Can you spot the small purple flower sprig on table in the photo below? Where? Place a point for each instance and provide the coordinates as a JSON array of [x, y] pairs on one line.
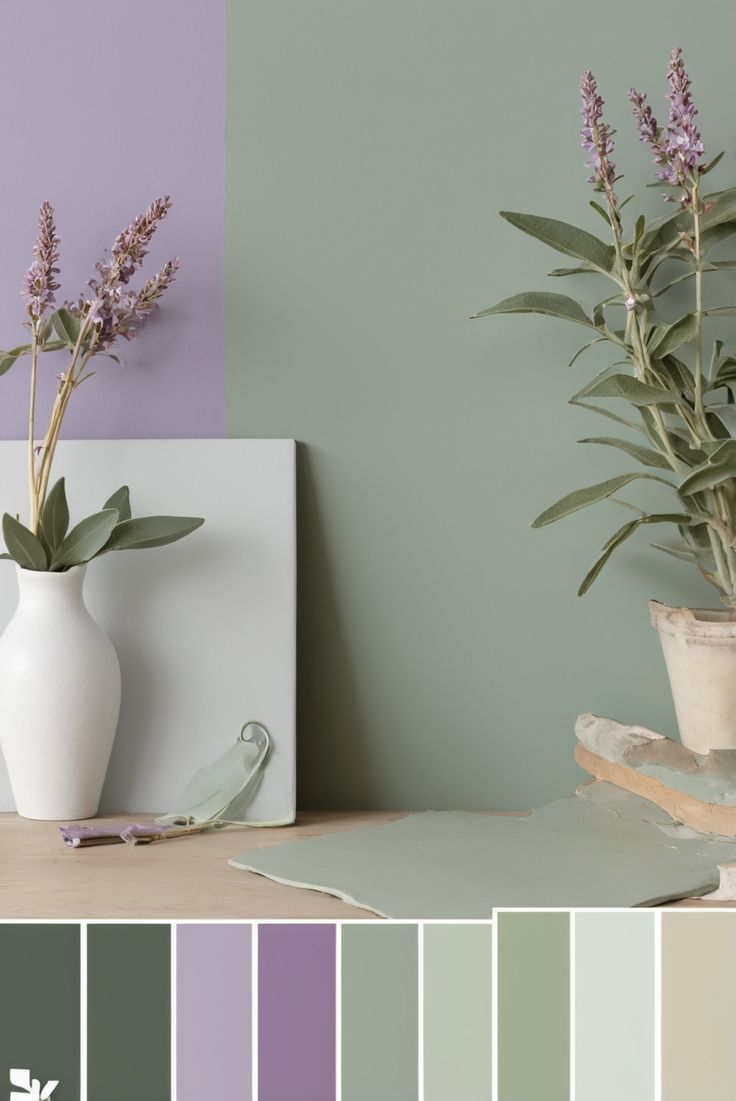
[[110, 310], [683, 409]]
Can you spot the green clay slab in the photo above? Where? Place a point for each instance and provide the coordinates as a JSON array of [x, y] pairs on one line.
[[605, 849]]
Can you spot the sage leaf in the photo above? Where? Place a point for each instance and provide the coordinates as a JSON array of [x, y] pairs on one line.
[[85, 540], [564, 238], [671, 337], [606, 413], [151, 531], [67, 326], [544, 302], [645, 455], [55, 515], [625, 387], [23, 546], [121, 501], [621, 536], [590, 495], [717, 468]]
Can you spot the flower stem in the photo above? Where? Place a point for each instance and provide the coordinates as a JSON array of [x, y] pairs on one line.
[[31, 430]]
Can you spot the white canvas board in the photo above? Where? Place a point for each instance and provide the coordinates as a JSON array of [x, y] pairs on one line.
[[205, 628]]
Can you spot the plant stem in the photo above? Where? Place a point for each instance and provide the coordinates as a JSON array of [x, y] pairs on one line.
[[699, 408], [61, 403], [31, 430]]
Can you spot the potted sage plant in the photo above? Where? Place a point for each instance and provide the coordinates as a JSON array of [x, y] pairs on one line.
[[673, 371], [59, 673]]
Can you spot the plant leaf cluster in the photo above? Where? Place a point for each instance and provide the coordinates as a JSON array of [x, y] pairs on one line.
[[56, 547]]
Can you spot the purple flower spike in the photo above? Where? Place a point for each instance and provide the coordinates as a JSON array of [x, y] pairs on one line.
[[39, 282], [682, 137], [676, 148], [596, 135], [118, 310]]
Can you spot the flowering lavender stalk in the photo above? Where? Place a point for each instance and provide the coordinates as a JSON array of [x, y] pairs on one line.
[[596, 135], [39, 282], [677, 148], [113, 310]]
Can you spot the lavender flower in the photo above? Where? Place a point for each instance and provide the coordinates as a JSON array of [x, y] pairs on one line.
[[676, 148], [115, 309], [130, 248], [596, 135], [683, 137], [39, 282]]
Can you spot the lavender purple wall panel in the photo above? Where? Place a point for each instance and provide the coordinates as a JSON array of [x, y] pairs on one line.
[[296, 1013], [213, 1022], [108, 106]]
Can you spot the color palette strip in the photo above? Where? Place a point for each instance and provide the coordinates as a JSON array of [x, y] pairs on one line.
[[599, 1006], [264, 1012]]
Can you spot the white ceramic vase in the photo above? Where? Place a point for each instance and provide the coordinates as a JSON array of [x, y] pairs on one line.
[[59, 698], [699, 647]]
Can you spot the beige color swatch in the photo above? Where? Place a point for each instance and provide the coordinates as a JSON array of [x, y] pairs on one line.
[[698, 980]]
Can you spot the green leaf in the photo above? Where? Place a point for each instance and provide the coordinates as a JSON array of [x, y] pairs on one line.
[[23, 546], [717, 468], [622, 535], [121, 501], [682, 553], [67, 326], [55, 515], [557, 272], [590, 495], [597, 340], [599, 210], [86, 539], [671, 337], [565, 238], [645, 455], [711, 164], [726, 413], [606, 413], [625, 387], [151, 531], [544, 302], [720, 311]]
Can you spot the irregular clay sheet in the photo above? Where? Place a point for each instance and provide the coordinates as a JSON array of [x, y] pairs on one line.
[[602, 848]]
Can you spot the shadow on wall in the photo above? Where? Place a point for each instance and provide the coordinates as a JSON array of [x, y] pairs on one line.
[[331, 736]]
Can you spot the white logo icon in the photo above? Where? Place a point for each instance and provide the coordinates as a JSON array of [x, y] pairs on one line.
[[29, 1089]]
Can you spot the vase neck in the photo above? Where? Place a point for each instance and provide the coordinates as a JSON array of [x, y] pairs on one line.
[[37, 587]]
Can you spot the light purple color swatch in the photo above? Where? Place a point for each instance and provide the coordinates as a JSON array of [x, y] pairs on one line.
[[296, 1013], [213, 1012], [111, 105]]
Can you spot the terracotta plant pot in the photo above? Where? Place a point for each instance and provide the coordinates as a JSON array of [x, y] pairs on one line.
[[699, 647]]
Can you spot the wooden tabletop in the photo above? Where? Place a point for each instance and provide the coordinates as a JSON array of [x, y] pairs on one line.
[[185, 878]]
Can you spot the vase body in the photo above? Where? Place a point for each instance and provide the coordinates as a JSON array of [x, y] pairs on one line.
[[59, 698], [699, 646]]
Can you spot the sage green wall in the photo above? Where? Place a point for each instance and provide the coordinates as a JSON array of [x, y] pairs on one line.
[[443, 652]]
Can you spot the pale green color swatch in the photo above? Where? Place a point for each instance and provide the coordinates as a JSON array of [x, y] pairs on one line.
[[379, 1012], [443, 654], [698, 980], [533, 998], [614, 1006], [457, 1012]]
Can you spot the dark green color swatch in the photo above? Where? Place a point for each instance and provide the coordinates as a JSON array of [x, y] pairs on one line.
[[533, 961], [129, 1012], [39, 1005], [379, 1013]]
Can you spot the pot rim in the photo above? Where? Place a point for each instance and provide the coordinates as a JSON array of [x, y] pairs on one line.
[[50, 577], [713, 624]]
